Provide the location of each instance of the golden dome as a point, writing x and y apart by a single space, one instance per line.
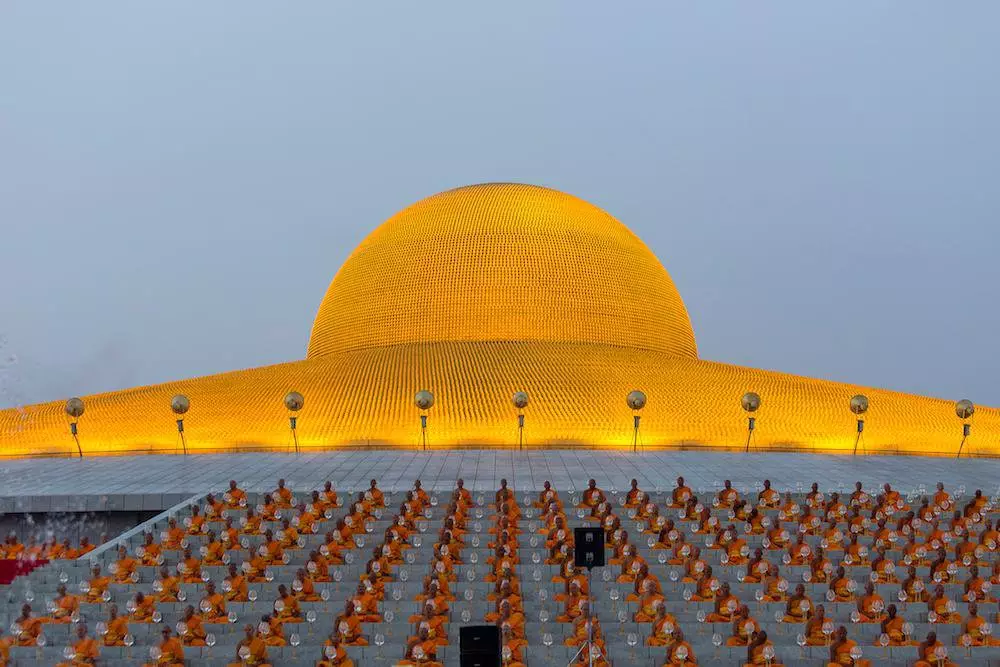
502 262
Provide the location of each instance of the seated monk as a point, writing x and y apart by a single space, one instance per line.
644 581
273 553
195 523
171 538
189 568
167 586
634 495
841 586
649 605
86 650
214 507
304 586
942 608
728 496
144 608
585 627
707 587
348 626
726 604
66 605
680 653
932 653
973 627
365 601
777 537
271 631
252 523
28 627
434 626
799 607
125 567
235 497
681 494
234 586
894 499
768 497
760 651
775 586
150 553
216 605
664 625
421 650
815 625
914 587
288 536
289 610
892 627
840 651
871 606
334 654
213 552
171 651
511 622
282 495
757 567
744 627
375 496
592 496
799 552
512 648
97 585
194 628
117 628
976 589
251 651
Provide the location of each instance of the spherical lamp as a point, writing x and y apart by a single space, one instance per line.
964 409
294 402
859 406
424 400
74 408
751 403
636 401
180 404
520 401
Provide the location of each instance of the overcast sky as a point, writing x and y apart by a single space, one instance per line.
179 181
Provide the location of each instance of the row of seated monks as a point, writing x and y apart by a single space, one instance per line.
49 549
226 548
923 545
900 539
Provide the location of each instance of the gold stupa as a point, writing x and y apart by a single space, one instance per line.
477 293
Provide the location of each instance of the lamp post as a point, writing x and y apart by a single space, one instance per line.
750 403
636 400
180 404
424 400
859 406
294 402
520 402
964 409
74 408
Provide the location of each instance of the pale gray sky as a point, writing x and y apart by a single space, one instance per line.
179 181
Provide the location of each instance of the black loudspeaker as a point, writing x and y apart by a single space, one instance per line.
588 547
479 646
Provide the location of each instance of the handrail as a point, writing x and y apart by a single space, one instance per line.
141 528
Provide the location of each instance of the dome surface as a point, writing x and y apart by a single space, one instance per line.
502 262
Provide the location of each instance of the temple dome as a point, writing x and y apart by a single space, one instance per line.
502 262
